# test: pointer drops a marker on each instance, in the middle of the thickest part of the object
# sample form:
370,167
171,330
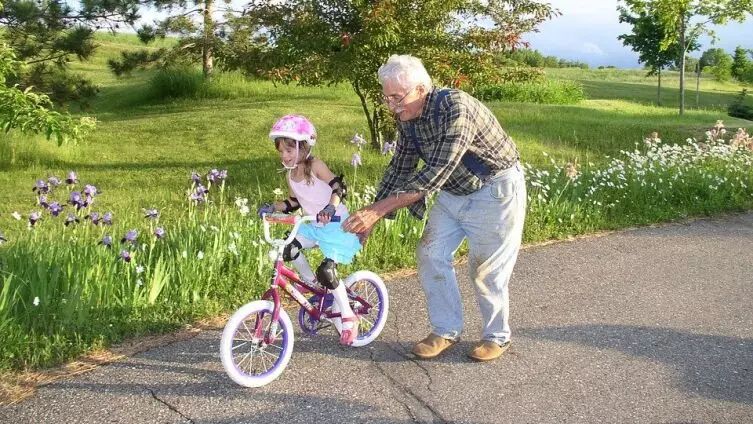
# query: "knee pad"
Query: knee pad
326,274
291,251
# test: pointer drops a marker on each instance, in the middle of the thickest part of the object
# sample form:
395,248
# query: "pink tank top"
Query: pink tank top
315,196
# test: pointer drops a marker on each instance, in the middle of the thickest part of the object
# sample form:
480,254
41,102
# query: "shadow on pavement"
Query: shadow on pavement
715,367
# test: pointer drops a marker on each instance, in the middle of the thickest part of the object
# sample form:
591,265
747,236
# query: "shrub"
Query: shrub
742,107
175,83
547,92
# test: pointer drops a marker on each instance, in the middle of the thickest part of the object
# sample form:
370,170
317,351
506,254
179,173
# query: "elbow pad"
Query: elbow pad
289,207
339,187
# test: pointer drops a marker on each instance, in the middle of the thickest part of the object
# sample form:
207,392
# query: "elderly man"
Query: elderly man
473,164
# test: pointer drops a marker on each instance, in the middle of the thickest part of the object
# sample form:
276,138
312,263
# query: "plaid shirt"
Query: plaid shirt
464,124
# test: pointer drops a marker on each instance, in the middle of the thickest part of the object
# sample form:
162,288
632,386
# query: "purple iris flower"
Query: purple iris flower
55,209
215,176
76,200
94,218
107,218
71,219
54,181
72,178
388,147
41,187
106,241
43,201
130,237
125,255
159,232
196,177
199,195
34,217
90,190
151,213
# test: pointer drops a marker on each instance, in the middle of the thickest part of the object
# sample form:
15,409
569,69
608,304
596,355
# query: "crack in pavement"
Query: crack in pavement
172,408
405,389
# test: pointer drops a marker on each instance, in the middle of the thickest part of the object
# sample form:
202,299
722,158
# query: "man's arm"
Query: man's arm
363,220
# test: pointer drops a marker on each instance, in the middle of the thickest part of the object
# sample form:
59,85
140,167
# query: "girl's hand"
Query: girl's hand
326,214
265,208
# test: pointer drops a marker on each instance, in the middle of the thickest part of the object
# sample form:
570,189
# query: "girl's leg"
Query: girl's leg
348,324
299,259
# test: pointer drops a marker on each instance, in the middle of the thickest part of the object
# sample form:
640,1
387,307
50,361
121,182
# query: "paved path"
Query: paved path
652,325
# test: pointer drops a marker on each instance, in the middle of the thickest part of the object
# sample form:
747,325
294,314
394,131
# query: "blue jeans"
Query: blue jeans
492,221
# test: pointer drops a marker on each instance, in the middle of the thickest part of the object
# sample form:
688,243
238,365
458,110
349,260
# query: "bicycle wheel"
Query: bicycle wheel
247,358
370,287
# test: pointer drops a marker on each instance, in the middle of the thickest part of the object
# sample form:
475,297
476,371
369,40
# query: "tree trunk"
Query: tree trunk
658,90
697,84
682,62
206,54
372,124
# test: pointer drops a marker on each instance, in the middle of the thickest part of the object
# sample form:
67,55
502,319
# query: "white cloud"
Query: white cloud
591,49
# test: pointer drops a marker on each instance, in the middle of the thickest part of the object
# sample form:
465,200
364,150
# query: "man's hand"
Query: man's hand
362,221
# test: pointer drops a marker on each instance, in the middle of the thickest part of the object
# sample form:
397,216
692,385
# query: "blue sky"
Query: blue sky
587,31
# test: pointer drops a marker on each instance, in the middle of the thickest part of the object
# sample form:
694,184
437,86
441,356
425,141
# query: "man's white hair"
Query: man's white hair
406,70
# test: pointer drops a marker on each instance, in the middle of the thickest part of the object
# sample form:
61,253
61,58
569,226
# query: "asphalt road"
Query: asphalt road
652,325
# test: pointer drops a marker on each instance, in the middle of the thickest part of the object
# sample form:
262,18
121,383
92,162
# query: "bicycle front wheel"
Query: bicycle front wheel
254,353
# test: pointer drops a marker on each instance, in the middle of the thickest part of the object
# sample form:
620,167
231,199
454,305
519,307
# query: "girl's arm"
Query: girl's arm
321,171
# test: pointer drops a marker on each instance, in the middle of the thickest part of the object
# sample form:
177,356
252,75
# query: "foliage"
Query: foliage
534,58
685,20
647,36
199,41
30,112
544,92
337,41
742,107
722,71
740,63
48,35
712,56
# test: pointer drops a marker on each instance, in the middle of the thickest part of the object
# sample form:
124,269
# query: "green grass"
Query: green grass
144,149
634,86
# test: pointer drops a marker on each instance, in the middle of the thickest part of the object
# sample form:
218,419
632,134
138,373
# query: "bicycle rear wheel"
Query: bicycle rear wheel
247,358
371,289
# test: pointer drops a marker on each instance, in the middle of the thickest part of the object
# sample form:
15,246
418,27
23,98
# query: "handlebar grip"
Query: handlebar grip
333,218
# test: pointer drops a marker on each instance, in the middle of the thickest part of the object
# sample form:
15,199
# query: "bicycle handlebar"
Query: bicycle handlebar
295,220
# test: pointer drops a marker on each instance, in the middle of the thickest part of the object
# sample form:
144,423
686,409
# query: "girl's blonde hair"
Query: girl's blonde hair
304,150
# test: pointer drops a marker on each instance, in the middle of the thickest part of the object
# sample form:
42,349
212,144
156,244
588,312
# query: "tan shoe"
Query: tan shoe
432,346
486,350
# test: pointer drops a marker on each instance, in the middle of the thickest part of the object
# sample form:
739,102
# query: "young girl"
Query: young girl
313,187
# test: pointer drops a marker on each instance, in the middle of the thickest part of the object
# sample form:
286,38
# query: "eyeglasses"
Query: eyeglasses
395,101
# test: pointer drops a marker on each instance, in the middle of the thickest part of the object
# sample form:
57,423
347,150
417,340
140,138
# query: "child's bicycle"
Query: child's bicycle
258,339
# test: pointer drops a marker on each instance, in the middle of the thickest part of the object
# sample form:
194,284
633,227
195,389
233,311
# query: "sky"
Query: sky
587,31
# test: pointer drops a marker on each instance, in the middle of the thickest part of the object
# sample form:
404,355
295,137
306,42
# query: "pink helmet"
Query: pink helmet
295,127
